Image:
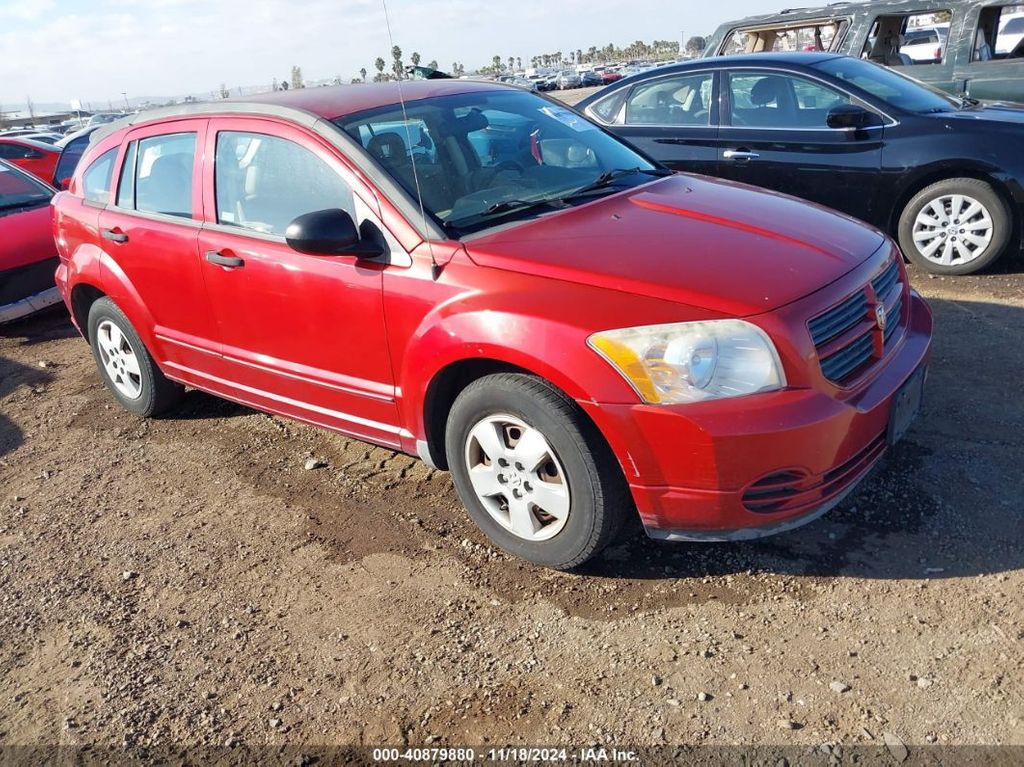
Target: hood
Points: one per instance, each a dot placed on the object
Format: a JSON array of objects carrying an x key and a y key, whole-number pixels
[
  {"x": 26, "y": 237},
  {"x": 712, "y": 244},
  {"x": 993, "y": 112}
]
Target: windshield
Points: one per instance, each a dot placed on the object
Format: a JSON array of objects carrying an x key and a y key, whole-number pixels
[
  {"x": 891, "y": 87},
  {"x": 19, "y": 190},
  {"x": 480, "y": 157}
]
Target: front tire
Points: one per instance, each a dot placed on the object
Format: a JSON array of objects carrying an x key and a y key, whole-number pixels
[
  {"x": 534, "y": 473},
  {"x": 955, "y": 227},
  {"x": 125, "y": 364}
]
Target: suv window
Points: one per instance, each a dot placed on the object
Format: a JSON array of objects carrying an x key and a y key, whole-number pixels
[
  {"x": 780, "y": 101},
  {"x": 682, "y": 100},
  {"x": 907, "y": 39},
  {"x": 823, "y": 35},
  {"x": 163, "y": 174},
  {"x": 1000, "y": 34},
  {"x": 264, "y": 182},
  {"x": 97, "y": 177}
]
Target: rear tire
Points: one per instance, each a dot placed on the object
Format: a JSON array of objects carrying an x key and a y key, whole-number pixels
[
  {"x": 534, "y": 473},
  {"x": 125, "y": 364},
  {"x": 955, "y": 227}
]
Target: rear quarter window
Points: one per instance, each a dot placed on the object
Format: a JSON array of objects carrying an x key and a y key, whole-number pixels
[{"x": 97, "y": 177}]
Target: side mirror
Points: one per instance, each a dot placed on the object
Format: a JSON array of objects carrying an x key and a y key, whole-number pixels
[
  {"x": 851, "y": 116},
  {"x": 329, "y": 232}
]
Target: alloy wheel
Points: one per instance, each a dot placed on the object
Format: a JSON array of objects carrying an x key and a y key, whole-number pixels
[
  {"x": 517, "y": 477},
  {"x": 953, "y": 229},
  {"x": 119, "y": 360}
]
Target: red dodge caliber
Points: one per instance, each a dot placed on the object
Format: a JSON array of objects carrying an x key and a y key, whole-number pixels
[{"x": 479, "y": 276}]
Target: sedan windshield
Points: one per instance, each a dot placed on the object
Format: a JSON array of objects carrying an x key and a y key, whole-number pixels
[
  {"x": 19, "y": 191},
  {"x": 891, "y": 87},
  {"x": 482, "y": 158}
]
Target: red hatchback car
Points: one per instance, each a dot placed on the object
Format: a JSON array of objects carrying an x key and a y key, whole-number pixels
[
  {"x": 37, "y": 158},
  {"x": 483, "y": 278},
  {"x": 27, "y": 253}
]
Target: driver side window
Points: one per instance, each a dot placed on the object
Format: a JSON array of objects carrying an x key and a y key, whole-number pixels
[
  {"x": 671, "y": 101},
  {"x": 264, "y": 182},
  {"x": 781, "y": 101}
]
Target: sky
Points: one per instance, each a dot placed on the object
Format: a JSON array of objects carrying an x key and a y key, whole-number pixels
[{"x": 95, "y": 50}]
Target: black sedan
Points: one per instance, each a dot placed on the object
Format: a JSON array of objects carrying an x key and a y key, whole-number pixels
[{"x": 943, "y": 174}]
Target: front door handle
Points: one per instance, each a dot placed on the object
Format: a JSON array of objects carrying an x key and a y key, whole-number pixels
[
  {"x": 232, "y": 262},
  {"x": 739, "y": 154},
  {"x": 114, "y": 235}
]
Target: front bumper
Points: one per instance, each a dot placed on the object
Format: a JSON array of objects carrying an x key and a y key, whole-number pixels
[
  {"x": 748, "y": 467},
  {"x": 27, "y": 289}
]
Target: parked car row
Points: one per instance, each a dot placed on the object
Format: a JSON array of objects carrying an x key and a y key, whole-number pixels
[
  {"x": 479, "y": 276},
  {"x": 943, "y": 174}
]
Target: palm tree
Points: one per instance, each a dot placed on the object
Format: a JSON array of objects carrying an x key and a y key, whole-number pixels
[
  {"x": 380, "y": 76},
  {"x": 362, "y": 74},
  {"x": 396, "y": 67}
]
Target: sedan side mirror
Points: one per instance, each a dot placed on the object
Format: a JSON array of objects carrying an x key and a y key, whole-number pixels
[
  {"x": 851, "y": 116},
  {"x": 329, "y": 232}
]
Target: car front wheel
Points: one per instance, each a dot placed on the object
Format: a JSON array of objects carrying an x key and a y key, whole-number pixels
[
  {"x": 957, "y": 226},
  {"x": 534, "y": 472}
]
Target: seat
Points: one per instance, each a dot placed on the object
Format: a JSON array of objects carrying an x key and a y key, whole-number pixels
[
  {"x": 766, "y": 92},
  {"x": 168, "y": 187},
  {"x": 389, "y": 149},
  {"x": 982, "y": 50}
]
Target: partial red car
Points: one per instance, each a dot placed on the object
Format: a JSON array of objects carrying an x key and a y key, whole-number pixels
[
  {"x": 37, "y": 158},
  {"x": 28, "y": 256},
  {"x": 610, "y": 76},
  {"x": 483, "y": 278}
]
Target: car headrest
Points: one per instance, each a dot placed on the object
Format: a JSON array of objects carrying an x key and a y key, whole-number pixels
[
  {"x": 388, "y": 148},
  {"x": 766, "y": 90},
  {"x": 473, "y": 121}
]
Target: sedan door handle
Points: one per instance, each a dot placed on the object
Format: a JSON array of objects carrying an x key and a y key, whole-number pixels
[
  {"x": 114, "y": 235},
  {"x": 232, "y": 262},
  {"x": 739, "y": 154}
]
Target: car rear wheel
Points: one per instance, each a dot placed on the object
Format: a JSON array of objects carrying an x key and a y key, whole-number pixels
[
  {"x": 125, "y": 365},
  {"x": 957, "y": 226},
  {"x": 534, "y": 472}
]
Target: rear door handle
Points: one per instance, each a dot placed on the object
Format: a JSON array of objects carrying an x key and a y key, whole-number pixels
[
  {"x": 232, "y": 262},
  {"x": 739, "y": 154},
  {"x": 114, "y": 235}
]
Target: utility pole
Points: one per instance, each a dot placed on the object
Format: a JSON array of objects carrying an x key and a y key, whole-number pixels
[{"x": 127, "y": 105}]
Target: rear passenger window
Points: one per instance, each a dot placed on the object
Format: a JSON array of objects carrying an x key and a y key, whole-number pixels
[
  {"x": 780, "y": 101},
  {"x": 163, "y": 174},
  {"x": 671, "y": 101},
  {"x": 126, "y": 186},
  {"x": 264, "y": 182},
  {"x": 97, "y": 177}
]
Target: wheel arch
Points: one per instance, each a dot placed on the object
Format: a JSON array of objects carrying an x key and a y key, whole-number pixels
[
  {"x": 946, "y": 173},
  {"x": 83, "y": 296}
]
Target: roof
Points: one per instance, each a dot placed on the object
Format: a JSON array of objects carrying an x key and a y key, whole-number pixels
[
  {"x": 337, "y": 100},
  {"x": 845, "y": 9}
]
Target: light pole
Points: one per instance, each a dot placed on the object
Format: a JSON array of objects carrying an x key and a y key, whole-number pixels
[{"x": 126, "y": 104}]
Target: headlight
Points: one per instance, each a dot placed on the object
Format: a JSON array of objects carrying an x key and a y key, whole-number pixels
[{"x": 693, "y": 361}]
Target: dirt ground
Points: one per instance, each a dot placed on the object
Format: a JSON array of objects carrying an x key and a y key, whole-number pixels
[{"x": 187, "y": 581}]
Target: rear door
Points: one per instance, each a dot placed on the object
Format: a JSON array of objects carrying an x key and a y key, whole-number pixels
[
  {"x": 672, "y": 118},
  {"x": 301, "y": 334},
  {"x": 774, "y": 135},
  {"x": 150, "y": 229}
]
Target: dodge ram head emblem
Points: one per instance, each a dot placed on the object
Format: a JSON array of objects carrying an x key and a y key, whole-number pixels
[{"x": 880, "y": 317}]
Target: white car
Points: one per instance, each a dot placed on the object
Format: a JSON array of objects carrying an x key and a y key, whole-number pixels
[
  {"x": 1011, "y": 32},
  {"x": 925, "y": 45}
]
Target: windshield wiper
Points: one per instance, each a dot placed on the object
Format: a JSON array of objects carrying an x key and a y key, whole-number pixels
[
  {"x": 23, "y": 204},
  {"x": 609, "y": 177},
  {"x": 500, "y": 210}
]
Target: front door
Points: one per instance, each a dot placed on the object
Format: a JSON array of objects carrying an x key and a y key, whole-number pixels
[
  {"x": 150, "y": 230},
  {"x": 775, "y": 135},
  {"x": 301, "y": 334}
]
